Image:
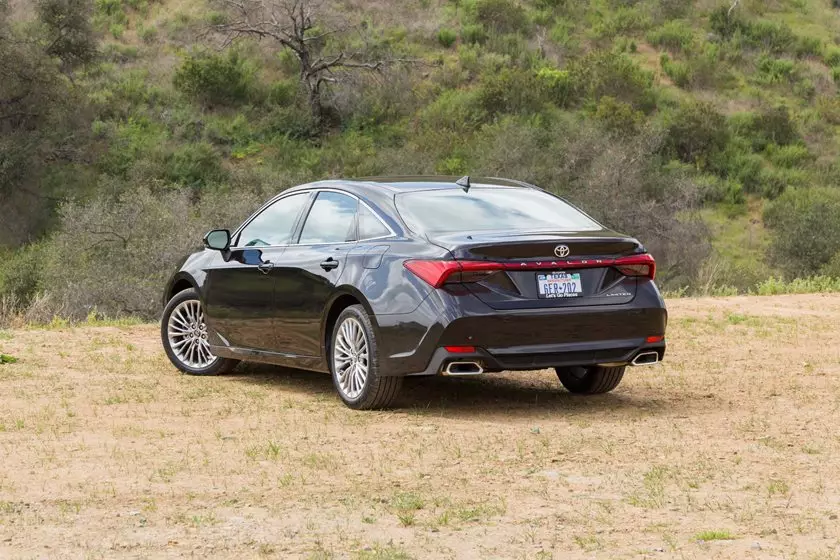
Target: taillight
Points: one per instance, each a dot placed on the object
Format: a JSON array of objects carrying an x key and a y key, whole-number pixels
[
  {"x": 438, "y": 273},
  {"x": 637, "y": 265}
]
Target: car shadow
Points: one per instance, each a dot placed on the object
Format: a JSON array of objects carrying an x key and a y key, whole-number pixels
[{"x": 465, "y": 397}]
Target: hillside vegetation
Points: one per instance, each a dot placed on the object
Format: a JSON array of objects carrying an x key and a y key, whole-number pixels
[{"x": 127, "y": 127}]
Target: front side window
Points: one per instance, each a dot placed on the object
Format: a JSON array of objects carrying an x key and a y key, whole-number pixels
[
  {"x": 274, "y": 225},
  {"x": 332, "y": 219},
  {"x": 490, "y": 209}
]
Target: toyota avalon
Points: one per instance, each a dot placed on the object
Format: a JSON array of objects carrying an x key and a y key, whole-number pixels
[{"x": 374, "y": 280}]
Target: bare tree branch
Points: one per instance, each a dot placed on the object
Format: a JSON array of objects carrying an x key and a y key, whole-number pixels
[{"x": 300, "y": 26}]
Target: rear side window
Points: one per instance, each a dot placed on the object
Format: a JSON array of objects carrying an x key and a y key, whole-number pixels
[
  {"x": 332, "y": 219},
  {"x": 489, "y": 209},
  {"x": 274, "y": 225},
  {"x": 370, "y": 226}
]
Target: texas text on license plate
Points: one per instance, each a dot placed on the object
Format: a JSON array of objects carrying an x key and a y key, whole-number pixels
[{"x": 559, "y": 285}]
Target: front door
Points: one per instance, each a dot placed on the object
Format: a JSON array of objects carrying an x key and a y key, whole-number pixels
[
  {"x": 310, "y": 272},
  {"x": 239, "y": 289}
]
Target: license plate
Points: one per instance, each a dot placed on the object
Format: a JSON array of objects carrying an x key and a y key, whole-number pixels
[{"x": 559, "y": 285}]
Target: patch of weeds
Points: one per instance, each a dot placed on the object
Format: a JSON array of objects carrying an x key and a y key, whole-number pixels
[
  {"x": 778, "y": 487},
  {"x": 405, "y": 505},
  {"x": 6, "y": 335},
  {"x": 588, "y": 543},
  {"x": 383, "y": 552},
  {"x": 271, "y": 451},
  {"x": 320, "y": 461},
  {"x": 811, "y": 450},
  {"x": 653, "y": 495},
  {"x": 707, "y": 536},
  {"x": 115, "y": 399},
  {"x": 7, "y": 359}
]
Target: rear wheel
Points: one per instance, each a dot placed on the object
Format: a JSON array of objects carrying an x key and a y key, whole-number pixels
[
  {"x": 184, "y": 336},
  {"x": 590, "y": 380},
  {"x": 354, "y": 362}
]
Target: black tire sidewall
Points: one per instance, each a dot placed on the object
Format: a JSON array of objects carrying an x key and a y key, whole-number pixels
[{"x": 215, "y": 367}]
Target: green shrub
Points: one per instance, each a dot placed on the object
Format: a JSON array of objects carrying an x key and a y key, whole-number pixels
[
  {"x": 283, "y": 92},
  {"x": 195, "y": 165},
  {"x": 726, "y": 22},
  {"x": 447, "y": 37},
  {"x": 20, "y": 274},
  {"x": 617, "y": 117},
  {"x": 510, "y": 91},
  {"x": 832, "y": 267},
  {"x": 808, "y": 46},
  {"x": 453, "y": 110},
  {"x": 769, "y": 126},
  {"x": 147, "y": 34},
  {"x": 790, "y": 156},
  {"x": 622, "y": 20},
  {"x": 116, "y": 30},
  {"x": 601, "y": 73},
  {"x": 473, "y": 34},
  {"x": 502, "y": 16},
  {"x": 773, "y": 36},
  {"x": 738, "y": 164},
  {"x": 679, "y": 72},
  {"x": 771, "y": 70},
  {"x": 831, "y": 55},
  {"x": 674, "y": 36},
  {"x": 216, "y": 79},
  {"x": 557, "y": 85},
  {"x": 696, "y": 132},
  {"x": 810, "y": 285},
  {"x": 806, "y": 228}
]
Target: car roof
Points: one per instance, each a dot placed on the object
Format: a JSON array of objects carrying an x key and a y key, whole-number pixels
[{"x": 413, "y": 183}]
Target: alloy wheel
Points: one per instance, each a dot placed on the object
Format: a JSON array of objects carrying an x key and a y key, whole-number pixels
[
  {"x": 351, "y": 360},
  {"x": 187, "y": 333}
]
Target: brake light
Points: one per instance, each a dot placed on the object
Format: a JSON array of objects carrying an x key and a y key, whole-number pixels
[
  {"x": 637, "y": 265},
  {"x": 654, "y": 339},
  {"x": 437, "y": 273}
]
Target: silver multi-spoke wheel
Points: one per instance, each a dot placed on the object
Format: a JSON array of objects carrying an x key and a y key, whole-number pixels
[
  {"x": 351, "y": 360},
  {"x": 187, "y": 333}
]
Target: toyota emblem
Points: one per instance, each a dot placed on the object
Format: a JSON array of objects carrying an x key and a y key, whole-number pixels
[{"x": 561, "y": 251}]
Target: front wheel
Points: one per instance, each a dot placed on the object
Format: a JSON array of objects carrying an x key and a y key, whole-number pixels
[
  {"x": 592, "y": 380},
  {"x": 184, "y": 336},
  {"x": 354, "y": 363}
]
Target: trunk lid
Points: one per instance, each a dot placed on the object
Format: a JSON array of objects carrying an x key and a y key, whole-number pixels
[{"x": 531, "y": 258}]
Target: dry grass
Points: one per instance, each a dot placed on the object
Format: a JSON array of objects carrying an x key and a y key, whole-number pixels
[{"x": 728, "y": 450}]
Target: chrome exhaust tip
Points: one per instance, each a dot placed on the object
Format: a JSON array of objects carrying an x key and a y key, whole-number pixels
[
  {"x": 646, "y": 359},
  {"x": 463, "y": 368}
]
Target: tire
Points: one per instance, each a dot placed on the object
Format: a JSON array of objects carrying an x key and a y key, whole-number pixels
[
  {"x": 353, "y": 347},
  {"x": 186, "y": 306},
  {"x": 590, "y": 380}
]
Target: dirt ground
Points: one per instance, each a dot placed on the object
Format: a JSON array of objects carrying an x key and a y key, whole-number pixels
[{"x": 730, "y": 449}]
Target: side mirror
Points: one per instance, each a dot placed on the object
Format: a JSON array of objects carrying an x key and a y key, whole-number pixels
[{"x": 218, "y": 239}]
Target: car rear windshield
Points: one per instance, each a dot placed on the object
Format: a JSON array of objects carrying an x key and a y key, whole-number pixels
[{"x": 489, "y": 209}]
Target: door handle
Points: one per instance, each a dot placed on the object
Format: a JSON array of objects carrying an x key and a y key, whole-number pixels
[
  {"x": 329, "y": 264},
  {"x": 265, "y": 267}
]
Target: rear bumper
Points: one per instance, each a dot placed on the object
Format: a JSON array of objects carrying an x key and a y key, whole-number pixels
[
  {"x": 412, "y": 344},
  {"x": 529, "y": 358}
]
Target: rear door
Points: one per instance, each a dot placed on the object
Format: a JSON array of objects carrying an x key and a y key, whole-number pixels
[
  {"x": 239, "y": 290},
  {"x": 311, "y": 269}
]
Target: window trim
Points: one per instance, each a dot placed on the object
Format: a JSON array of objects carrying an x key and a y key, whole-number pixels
[{"x": 301, "y": 219}]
